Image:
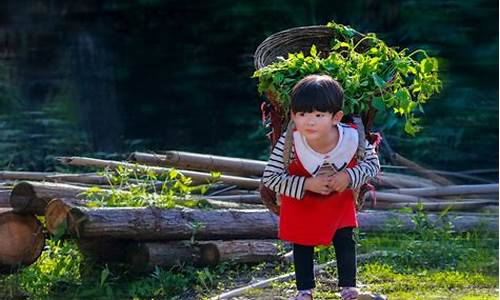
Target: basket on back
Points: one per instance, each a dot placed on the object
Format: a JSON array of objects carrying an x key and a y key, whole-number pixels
[{"x": 278, "y": 46}]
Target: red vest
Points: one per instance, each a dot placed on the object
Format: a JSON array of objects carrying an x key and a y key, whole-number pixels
[{"x": 314, "y": 219}]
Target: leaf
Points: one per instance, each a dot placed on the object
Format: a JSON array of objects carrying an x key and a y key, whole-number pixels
[
  {"x": 379, "y": 82},
  {"x": 378, "y": 103},
  {"x": 313, "y": 51}
]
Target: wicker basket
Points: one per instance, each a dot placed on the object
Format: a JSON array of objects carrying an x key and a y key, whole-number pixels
[
  {"x": 295, "y": 40},
  {"x": 292, "y": 40}
]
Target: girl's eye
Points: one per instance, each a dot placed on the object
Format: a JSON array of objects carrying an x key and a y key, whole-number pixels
[
  {"x": 319, "y": 115},
  {"x": 301, "y": 114}
]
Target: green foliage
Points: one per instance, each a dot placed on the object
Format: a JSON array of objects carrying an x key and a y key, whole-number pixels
[
  {"x": 435, "y": 245},
  {"x": 56, "y": 268},
  {"x": 370, "y": 72},
  {"x": 141, "y": 187}
]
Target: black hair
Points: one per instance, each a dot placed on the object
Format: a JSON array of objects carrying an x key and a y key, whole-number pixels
[{"x": 317, "y": 93}]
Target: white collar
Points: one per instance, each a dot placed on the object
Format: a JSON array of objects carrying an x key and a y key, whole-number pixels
[{"x": 339, "y": 157}]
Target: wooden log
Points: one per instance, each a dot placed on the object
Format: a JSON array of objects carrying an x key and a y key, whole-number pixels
[
  {"x": 83, "y": 179},
  {"x": 458, "y": 174},
  {"x": 21, "y": 240},
  {"x": 196, "y": 176},
  {"x": 247, "y": 199},
  {"x": 33, "y": 197},
  {"x": 104, "y": 249},
  {"x": 390, "y": 197},
  {"x": 18, "y": 175},
  {"x": 161, "y": 224},
  {"x": 404, "y": 181},
  {"x": 143, "y": 257},
  {"x": 438, "y": 206},
  {"x": 379, "y": 221},
  {"x": 399, "y": 159},
  {"x": 202, "y": 162},
  {"x": 220, "y": 204},
  {"x": 182, "y": 224},
  {"x": 384, "y": 196},
  {"x": 448, "y": 190}
]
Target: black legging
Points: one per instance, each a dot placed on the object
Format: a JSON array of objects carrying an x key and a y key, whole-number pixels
[{"x": 345, "y": 250}]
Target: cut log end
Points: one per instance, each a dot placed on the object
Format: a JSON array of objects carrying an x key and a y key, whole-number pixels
[
  {"x": 22, "y": 240},
  {"x": 21, "y": 197},
  {"x": 209, "y": 255},
  {"x": 63, "y": 217}
]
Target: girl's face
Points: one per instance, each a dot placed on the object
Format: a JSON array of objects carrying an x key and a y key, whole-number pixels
[{"x": 316, "y": 125}]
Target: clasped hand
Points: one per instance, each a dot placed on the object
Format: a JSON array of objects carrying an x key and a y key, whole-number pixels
[{"x": 325, "y": 185}]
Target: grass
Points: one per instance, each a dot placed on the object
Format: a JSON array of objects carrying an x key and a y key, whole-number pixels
[{"x": 428, "y": 263}]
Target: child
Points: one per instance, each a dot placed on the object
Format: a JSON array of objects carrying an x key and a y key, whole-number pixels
[{"x": 317, "y": 203}]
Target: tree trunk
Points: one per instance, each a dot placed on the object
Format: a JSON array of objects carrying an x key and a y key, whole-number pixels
[
  {"x": 32, "y": 197},
  {"x": 144, "y": 257},
  {"x": 176, "y": 224},
  {"x": 199, "y": 177},
  {"x": 202, "y": 162},
  {"x": 21, "y": 240},
  {"x": 161, "y": 224}
]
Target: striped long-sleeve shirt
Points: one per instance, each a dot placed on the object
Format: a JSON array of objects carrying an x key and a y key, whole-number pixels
[{"x": 276, "y": 178}]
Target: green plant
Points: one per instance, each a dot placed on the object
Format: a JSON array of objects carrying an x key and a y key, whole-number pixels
[
  {"x": 140, "y": 187},
  {"x": 371, "y": 73}
]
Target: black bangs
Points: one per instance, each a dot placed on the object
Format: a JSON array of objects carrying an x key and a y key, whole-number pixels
[{"x": 317, "y": 93}]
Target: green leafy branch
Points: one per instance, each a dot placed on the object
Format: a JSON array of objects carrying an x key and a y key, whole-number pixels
[{"x": 372, "y": 74}]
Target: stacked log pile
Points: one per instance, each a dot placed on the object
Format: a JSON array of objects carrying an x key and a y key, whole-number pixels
[{"x": 236, "y": 228}]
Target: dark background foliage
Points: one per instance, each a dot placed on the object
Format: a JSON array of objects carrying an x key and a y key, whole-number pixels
[{"x": 104, "y": 77}]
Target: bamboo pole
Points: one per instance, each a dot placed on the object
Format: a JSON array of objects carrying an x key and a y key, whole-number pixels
[
  {"x": 391, "y": 197},
  {"x": 450, "y": 190},
  {"x": 407, "y": 180},
  {"x": 196, "y": 176},
  {"x": 420, "y": 170},
  {"x": 202, "y": 162},
  {"x": 247, "y": 199},
  {"x": 438, "y": 206}
]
